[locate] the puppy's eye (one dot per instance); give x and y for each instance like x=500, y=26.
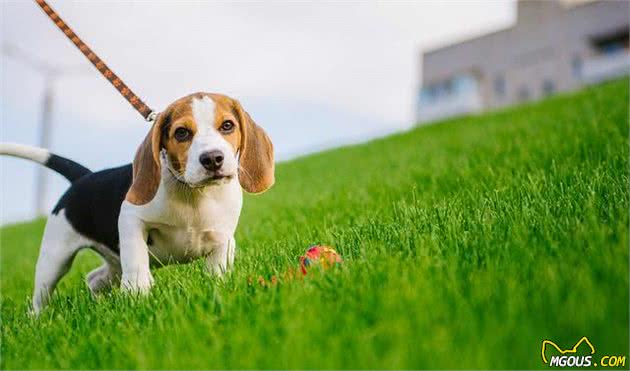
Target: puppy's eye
x=227, y=126
x=182, y=134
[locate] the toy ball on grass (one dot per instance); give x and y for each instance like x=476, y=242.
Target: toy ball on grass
x=322, y=256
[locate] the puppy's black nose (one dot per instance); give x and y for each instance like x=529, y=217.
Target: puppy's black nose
x=211, y=160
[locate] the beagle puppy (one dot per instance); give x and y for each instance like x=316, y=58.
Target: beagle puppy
x=180, y=200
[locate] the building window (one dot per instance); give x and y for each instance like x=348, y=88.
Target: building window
x=463, y=84
x=576, y=66
x=425, y=97
x=429, y=93
x=447, y=87
x=432, y=91
x=548, y=87
x=499, y=86
x=612, y=43
x=442, y=89
x=523, y=94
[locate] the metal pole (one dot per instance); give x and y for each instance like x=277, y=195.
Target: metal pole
x=41, y=180
x=51, y=73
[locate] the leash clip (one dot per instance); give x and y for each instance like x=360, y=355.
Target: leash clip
x=151, y=116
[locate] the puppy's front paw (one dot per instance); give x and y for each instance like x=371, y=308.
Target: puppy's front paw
x=137, y=283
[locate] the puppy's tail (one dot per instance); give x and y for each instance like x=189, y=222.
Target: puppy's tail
x=68, y=168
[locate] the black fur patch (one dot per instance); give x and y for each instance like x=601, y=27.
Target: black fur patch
x=92, y=204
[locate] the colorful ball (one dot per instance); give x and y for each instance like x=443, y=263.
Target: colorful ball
x=322, y=256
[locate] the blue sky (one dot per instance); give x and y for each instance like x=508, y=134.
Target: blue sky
x=313, y=74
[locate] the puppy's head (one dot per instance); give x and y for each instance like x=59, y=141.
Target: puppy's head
x=203, y=140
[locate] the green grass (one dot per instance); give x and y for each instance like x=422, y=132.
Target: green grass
x=466, y=243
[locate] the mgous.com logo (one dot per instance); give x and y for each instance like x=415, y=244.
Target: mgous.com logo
x=581, y=355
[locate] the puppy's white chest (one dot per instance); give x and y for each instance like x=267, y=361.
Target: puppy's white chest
x=180, y=244
x=180, y=230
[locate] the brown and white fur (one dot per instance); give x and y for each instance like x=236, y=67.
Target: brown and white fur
x=180, y=200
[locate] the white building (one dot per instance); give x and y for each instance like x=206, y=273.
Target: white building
x=554, y=46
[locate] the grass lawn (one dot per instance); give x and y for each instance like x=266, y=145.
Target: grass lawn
x=467, y=244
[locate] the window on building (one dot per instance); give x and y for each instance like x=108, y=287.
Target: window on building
x=548, y=87
x=464, y=83
x=612, y=43
x=433, y=91
x=439, y=90
x=447, y=87
x=426, y=94
x=430, y=93
x=523, y=94
x=576, y=66
x=499, y=86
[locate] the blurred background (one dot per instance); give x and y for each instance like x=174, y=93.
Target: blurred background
x=315, y=75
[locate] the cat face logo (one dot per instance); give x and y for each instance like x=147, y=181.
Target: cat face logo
x=568, y=357
x=581, y=355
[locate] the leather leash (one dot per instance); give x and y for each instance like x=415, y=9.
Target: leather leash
x=123, y=89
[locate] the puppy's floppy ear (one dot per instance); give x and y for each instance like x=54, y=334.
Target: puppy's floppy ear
x=146, y=166
x=256, y=167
